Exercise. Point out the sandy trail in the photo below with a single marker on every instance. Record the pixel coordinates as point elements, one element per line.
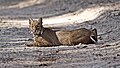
<point>102,15</point>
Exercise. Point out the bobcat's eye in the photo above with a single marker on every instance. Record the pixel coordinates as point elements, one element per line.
<point>37,27</point>
<point>32,26</point>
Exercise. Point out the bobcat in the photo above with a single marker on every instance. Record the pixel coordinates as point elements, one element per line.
<point>47,37</point>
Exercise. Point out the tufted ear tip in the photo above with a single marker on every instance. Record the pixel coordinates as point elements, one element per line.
<point>30,20</point>
<point>40,20</point>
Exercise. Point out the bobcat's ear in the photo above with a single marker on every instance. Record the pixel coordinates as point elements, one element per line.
<point>31,20</point>
<point>40,20</point>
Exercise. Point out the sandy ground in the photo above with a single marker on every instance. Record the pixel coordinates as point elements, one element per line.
<point>104,15</point>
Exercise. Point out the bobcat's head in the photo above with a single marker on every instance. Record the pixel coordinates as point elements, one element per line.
<point>36,26</point>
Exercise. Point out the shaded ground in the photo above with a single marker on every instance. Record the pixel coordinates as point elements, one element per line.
<point>104,54</point>
<point>46,8</point>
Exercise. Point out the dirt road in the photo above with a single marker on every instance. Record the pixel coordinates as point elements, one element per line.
<point>104,15</point>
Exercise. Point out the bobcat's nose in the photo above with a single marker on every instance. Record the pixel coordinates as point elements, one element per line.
<point>93,38</point>
<point>34,31</point>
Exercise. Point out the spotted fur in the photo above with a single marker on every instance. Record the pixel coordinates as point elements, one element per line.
<point>47,37</point>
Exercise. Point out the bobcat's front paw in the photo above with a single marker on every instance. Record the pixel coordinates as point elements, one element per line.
<point>29,44</point>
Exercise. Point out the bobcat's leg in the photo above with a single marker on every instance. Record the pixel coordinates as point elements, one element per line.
<point>29,44</point>
<point>35,44</point>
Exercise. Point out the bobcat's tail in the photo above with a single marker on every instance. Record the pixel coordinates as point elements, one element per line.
<point>92,37</point>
